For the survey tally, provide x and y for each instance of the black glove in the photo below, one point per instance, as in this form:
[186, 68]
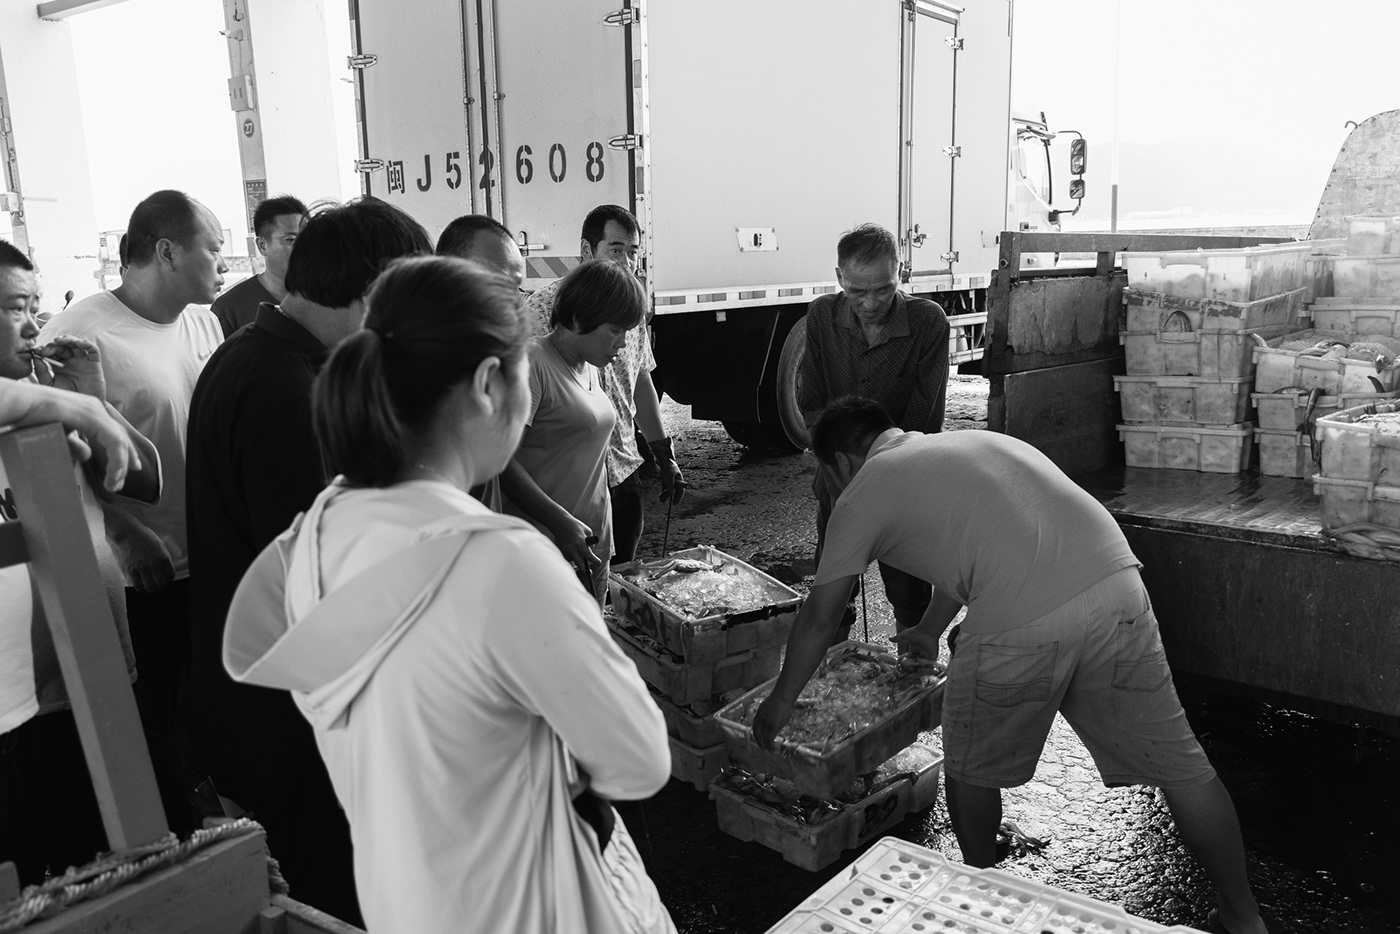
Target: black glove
[672, 483]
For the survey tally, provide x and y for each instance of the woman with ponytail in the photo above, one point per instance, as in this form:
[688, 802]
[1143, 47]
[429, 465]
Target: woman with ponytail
[473, 713]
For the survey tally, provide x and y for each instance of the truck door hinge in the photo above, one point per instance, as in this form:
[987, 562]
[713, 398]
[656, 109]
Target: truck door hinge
[952, 152]
[627, 17]
[364, 60]
[954, 42]
[369, 165]
[950, 257]
[626, 142]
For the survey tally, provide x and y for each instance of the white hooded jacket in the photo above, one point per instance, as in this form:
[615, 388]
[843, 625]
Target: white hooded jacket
[442, 652]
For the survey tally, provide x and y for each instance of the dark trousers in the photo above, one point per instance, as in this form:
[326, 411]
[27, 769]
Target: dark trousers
[292, 797]
[48, 812]
[160, 636]
[628, 517]
[908, 595]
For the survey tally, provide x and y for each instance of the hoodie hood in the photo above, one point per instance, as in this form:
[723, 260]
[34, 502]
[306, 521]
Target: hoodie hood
[284, 632]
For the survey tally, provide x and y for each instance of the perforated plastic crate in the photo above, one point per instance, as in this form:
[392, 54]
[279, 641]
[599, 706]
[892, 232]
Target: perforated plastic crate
[712, 637]
[1237, 275]
[686, 683]
[813, 846]
[1184, 400]
[697, 767]
[1178, 447]
[1155, 311]
[1276, 369]
[1352, 449]
[827, 770]
[1290, 409]
[897, 887]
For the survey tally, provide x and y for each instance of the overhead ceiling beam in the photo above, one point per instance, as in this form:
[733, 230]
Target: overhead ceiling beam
[62, 9]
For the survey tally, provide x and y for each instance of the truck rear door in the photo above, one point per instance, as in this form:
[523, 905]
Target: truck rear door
[413, 87]
[929, 52]
[566, 105]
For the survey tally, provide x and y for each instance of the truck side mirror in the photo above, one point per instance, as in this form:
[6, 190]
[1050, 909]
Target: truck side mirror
[1078, 159]
[1076, 189]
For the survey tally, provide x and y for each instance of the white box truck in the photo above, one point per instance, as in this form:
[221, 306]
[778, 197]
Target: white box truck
[746, 135]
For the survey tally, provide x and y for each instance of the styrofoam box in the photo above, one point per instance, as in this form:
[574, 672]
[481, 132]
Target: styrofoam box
[1184, 400]
[1366, 276]
[1347, 502]
[1368, 235]
[698, 767]
[1240, 275]
[1175, 447]
[1352, 450]
[1155, 311]
[1285, 453]
[1288, 409]
[1208, 354]
[1358, 316]
[1276, 369]
[897, 886]
[813, 846]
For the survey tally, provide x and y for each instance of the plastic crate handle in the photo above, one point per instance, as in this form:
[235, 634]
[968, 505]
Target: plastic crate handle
[1176, 329]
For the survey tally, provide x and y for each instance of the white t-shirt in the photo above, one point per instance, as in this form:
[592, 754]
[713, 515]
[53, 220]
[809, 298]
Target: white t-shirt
[30, 680]
[151, 370]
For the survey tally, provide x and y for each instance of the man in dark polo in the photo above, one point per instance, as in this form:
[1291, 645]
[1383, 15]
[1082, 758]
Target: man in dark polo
[872, 340]
[276, 224]
[253, 465]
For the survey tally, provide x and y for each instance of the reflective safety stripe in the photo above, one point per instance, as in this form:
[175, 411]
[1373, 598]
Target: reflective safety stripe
[549, 267]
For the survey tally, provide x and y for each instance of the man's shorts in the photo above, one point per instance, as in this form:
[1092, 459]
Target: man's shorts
[1097, 659]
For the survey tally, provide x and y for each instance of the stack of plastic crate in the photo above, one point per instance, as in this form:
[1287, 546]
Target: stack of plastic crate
[1359, 479]
[1193, 320]
[811, 801]
[1356, 317]
[897, 887]
[694, 665]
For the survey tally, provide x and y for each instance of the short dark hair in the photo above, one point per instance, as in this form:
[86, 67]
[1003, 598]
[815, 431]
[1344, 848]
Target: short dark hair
[268, 211]
[596, 293]
[12, 257]
[165, 215]
[432, 320]
[343, 248]
[457, 237]
[846, 426]
[868, 243]
[123, 251]
[597, 221]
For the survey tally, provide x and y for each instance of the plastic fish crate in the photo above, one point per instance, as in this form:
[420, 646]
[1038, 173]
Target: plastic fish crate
[1156, 311]
[1285, 453]
[1181, 447]
[1184, 352]
[712, 637]
[1366, 276]
[691, 728]
[1238, 275]
[686, 683]
[1347, 502]
[1276, 369]
[698, 767]
[1354, 450]
[1288, 409]
[1184, 400]
[815, 846]
[897, 887]
[1357, 316]
[826, 772]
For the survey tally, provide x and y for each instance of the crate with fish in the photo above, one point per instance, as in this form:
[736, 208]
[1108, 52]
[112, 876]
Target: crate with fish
[1350, 503]
[860, 707]
[687, 683]
[898, 887]
[1177, 350]
[703, 604]
[694, 723]
[1361, 443]
[1357, 317]
[1285, 453]
[1209, 449]
[1148, 311]
[1294, 409]
[1184, 400]
[813, 832]
[1332, 361]
[1234, 275]
[697, 767]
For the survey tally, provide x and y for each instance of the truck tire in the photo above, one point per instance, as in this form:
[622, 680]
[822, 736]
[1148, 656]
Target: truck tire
[789, 373]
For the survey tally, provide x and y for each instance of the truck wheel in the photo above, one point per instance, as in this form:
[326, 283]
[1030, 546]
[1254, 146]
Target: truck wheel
[789, 372]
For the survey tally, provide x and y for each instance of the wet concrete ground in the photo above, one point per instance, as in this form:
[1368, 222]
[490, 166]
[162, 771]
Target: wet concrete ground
[1319, 801]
